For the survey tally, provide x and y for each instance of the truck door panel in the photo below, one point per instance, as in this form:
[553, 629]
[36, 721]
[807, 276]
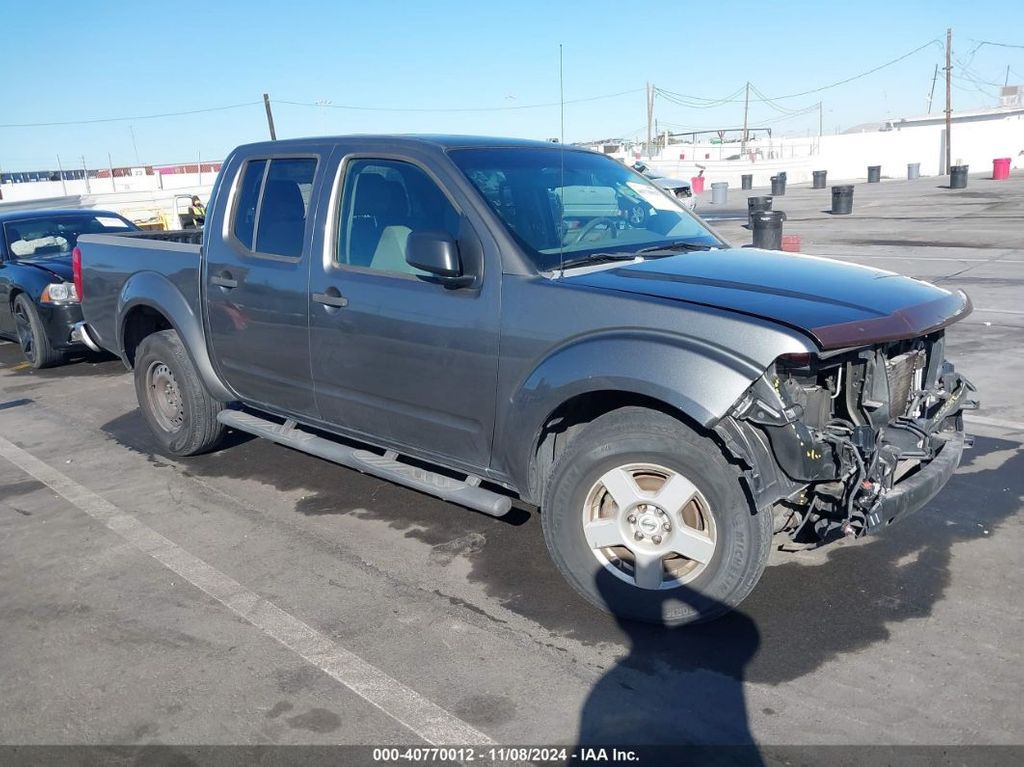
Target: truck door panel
[397, 353]
[256, 285]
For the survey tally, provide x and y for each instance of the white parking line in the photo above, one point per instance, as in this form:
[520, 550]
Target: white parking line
[423, 717]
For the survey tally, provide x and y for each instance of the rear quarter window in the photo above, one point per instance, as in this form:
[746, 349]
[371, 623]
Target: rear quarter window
[272, 203]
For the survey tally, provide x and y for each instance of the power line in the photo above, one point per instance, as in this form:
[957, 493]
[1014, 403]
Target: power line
[687, 101]
[95, 120]
[862, 74]
[756, 123]
[92, 121]
[982, 43]
[703, 102]
[784, 110]
[972, 74]
[360, 108]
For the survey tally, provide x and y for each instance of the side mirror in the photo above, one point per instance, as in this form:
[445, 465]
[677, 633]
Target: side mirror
[435, 252]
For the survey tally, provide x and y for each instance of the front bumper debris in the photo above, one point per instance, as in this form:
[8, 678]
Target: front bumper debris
[914, 492]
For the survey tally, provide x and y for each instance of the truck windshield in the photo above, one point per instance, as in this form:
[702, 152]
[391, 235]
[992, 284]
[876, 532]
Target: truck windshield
[563, 205]
[56, 235]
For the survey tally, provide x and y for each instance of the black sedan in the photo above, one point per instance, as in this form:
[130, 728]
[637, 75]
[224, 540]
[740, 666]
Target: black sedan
[38, 300]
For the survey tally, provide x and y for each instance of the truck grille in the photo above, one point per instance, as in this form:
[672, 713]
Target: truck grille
[901, 372]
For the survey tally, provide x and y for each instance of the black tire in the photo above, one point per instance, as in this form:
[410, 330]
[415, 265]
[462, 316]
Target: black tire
[35, 344]
[632, 436]
[178, 409]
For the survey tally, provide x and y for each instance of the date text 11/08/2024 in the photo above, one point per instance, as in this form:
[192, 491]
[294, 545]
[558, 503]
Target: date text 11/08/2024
[487, 754]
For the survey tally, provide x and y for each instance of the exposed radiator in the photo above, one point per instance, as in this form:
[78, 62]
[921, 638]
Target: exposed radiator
[901, 372]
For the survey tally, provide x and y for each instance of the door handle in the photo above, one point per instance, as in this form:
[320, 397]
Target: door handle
[224, 280]
[331, 298]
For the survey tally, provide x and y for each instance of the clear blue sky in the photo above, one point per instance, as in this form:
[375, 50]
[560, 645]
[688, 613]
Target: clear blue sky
[71, 60]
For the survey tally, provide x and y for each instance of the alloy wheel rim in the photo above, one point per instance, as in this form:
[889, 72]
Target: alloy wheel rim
[164, 397]
[24, 329]
[649, 526]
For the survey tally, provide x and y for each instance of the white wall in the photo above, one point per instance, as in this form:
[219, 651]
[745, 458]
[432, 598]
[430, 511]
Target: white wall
[847, 156]
[136, 197]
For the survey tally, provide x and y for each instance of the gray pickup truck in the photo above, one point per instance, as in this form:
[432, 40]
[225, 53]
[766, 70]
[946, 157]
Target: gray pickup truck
[481, 319]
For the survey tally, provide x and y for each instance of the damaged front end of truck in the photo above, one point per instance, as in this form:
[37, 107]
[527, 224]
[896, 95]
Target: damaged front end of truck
[846, 442]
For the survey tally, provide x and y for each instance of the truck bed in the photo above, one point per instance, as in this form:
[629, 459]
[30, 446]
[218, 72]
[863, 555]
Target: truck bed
[110, 260]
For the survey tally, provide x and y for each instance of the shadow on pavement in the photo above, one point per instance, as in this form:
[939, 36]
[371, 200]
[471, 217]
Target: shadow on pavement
[633, 704]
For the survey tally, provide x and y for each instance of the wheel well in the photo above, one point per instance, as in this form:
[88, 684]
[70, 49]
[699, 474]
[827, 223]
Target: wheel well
[568, 418]
[141, 322]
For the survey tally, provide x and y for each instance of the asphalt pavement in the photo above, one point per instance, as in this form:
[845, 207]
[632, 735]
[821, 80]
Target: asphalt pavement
[261, 596]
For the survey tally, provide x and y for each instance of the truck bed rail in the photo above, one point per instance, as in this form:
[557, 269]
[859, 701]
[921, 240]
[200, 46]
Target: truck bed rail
[185, 236]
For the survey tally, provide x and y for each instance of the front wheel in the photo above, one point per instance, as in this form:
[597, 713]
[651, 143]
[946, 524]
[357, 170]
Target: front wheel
[35, 343]
[647, 520]
[176, 405]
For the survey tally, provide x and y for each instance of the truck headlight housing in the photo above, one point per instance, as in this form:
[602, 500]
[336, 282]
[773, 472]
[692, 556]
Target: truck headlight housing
[59, 293]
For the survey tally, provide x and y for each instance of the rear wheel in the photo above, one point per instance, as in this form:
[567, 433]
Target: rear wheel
[647, 520]
[35, 344]
[176, 405]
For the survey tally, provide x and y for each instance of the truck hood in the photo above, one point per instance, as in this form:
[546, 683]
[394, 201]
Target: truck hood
[57, 266]
[838, 304]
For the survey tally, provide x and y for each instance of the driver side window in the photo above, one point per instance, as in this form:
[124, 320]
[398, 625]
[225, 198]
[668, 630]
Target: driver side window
[383, 202]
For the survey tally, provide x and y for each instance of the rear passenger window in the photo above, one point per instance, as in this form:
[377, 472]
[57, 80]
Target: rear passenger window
[270, 216]
[282, 219]
[248, 201]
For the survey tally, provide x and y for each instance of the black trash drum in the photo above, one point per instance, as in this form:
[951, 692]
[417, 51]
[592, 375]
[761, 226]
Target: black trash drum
[767, 225]
[819, 179]
[958, 177]
[842, 200]
[756, 204]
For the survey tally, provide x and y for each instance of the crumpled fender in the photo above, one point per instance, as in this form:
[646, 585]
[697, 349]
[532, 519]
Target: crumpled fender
[698, 377]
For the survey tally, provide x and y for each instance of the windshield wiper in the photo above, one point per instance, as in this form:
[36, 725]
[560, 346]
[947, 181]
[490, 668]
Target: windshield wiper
[674, 247]
[597, 258]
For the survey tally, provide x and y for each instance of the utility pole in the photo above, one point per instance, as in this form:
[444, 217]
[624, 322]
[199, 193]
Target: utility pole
[650, 116]
[85, 170]
[110, 164]
[949, 98]
[63, 183]
[199, 167]
[746, 107]
[931, 93]
[270, 117]
[1007, 80]
[820, 120]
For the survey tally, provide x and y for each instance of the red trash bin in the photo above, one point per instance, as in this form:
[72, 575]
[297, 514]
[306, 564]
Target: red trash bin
[697, 182]
[791, 243]
[1001, 169]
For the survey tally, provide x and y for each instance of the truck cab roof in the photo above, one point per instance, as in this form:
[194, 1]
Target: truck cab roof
[443, 142]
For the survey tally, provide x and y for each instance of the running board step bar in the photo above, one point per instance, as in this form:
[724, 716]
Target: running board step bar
[466, 493]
